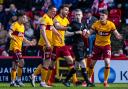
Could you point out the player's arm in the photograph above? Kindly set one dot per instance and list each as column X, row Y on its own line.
column 68, row 34
column 115, row 32
column 27, row 41
column 43, row 32
column 56, row 33
column 91, row 31
column 117, row 35
column 10, row 34
column 87, row 33
column 11, row 30
column 60, row 27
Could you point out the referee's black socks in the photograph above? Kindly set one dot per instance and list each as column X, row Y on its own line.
column 85, row 75
column 70, row 74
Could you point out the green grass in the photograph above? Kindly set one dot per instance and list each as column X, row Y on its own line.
column 60, row 86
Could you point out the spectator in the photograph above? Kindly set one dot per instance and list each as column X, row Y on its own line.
column 47, row 3
column 98, row 5
column 38, row 3
column 36, row 25
column 89, row 20
column 29, row 34
column 12, row 19
column 36, row 21
column 3, row 38
column 111, row 3
column 84, row 4
column 2, row 15
column 12, row 11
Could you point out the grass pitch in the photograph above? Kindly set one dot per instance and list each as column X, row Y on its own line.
column 61, row 86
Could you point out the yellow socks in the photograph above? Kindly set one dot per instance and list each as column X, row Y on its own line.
column 90, row 72
column 19, row 72
column 74, row 78
column 38, row 70
column 44, row 73
column 13, row 75
column 49, row 75
column 106, row 73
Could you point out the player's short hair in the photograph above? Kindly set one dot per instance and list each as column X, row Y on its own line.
column 20, row 14
column 104, row 12
column 51, row 6
column 63, row 6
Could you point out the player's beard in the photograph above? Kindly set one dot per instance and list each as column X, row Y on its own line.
column 65, row 15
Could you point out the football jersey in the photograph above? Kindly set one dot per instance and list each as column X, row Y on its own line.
column 63, row 22
column 18, row 33
column 103, row 32
column 48, row 22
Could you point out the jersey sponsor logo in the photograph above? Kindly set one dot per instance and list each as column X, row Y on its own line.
column 103, row 33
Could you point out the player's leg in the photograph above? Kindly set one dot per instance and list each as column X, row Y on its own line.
column 45, row 66
column 97, row 52
column 13, row 74
column 106, row 71
column 20, row 65
column 79, row 51
column 55, row 55
column 74, row 77
column 84, row 73
column 37, row 71
column 13, row 70
column 72, row 71
column 91, row 69
column 50, row 71
column 70, row 58
column 19, row 72
column 106, row 56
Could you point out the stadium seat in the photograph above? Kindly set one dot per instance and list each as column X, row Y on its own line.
column 115, row 12
column 115, row 16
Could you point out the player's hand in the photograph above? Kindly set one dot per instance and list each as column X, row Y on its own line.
column 119, row 37
column 85, row 33
column 30, row 43
column 47, row 49
column 33, row 42
column 48, row 45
